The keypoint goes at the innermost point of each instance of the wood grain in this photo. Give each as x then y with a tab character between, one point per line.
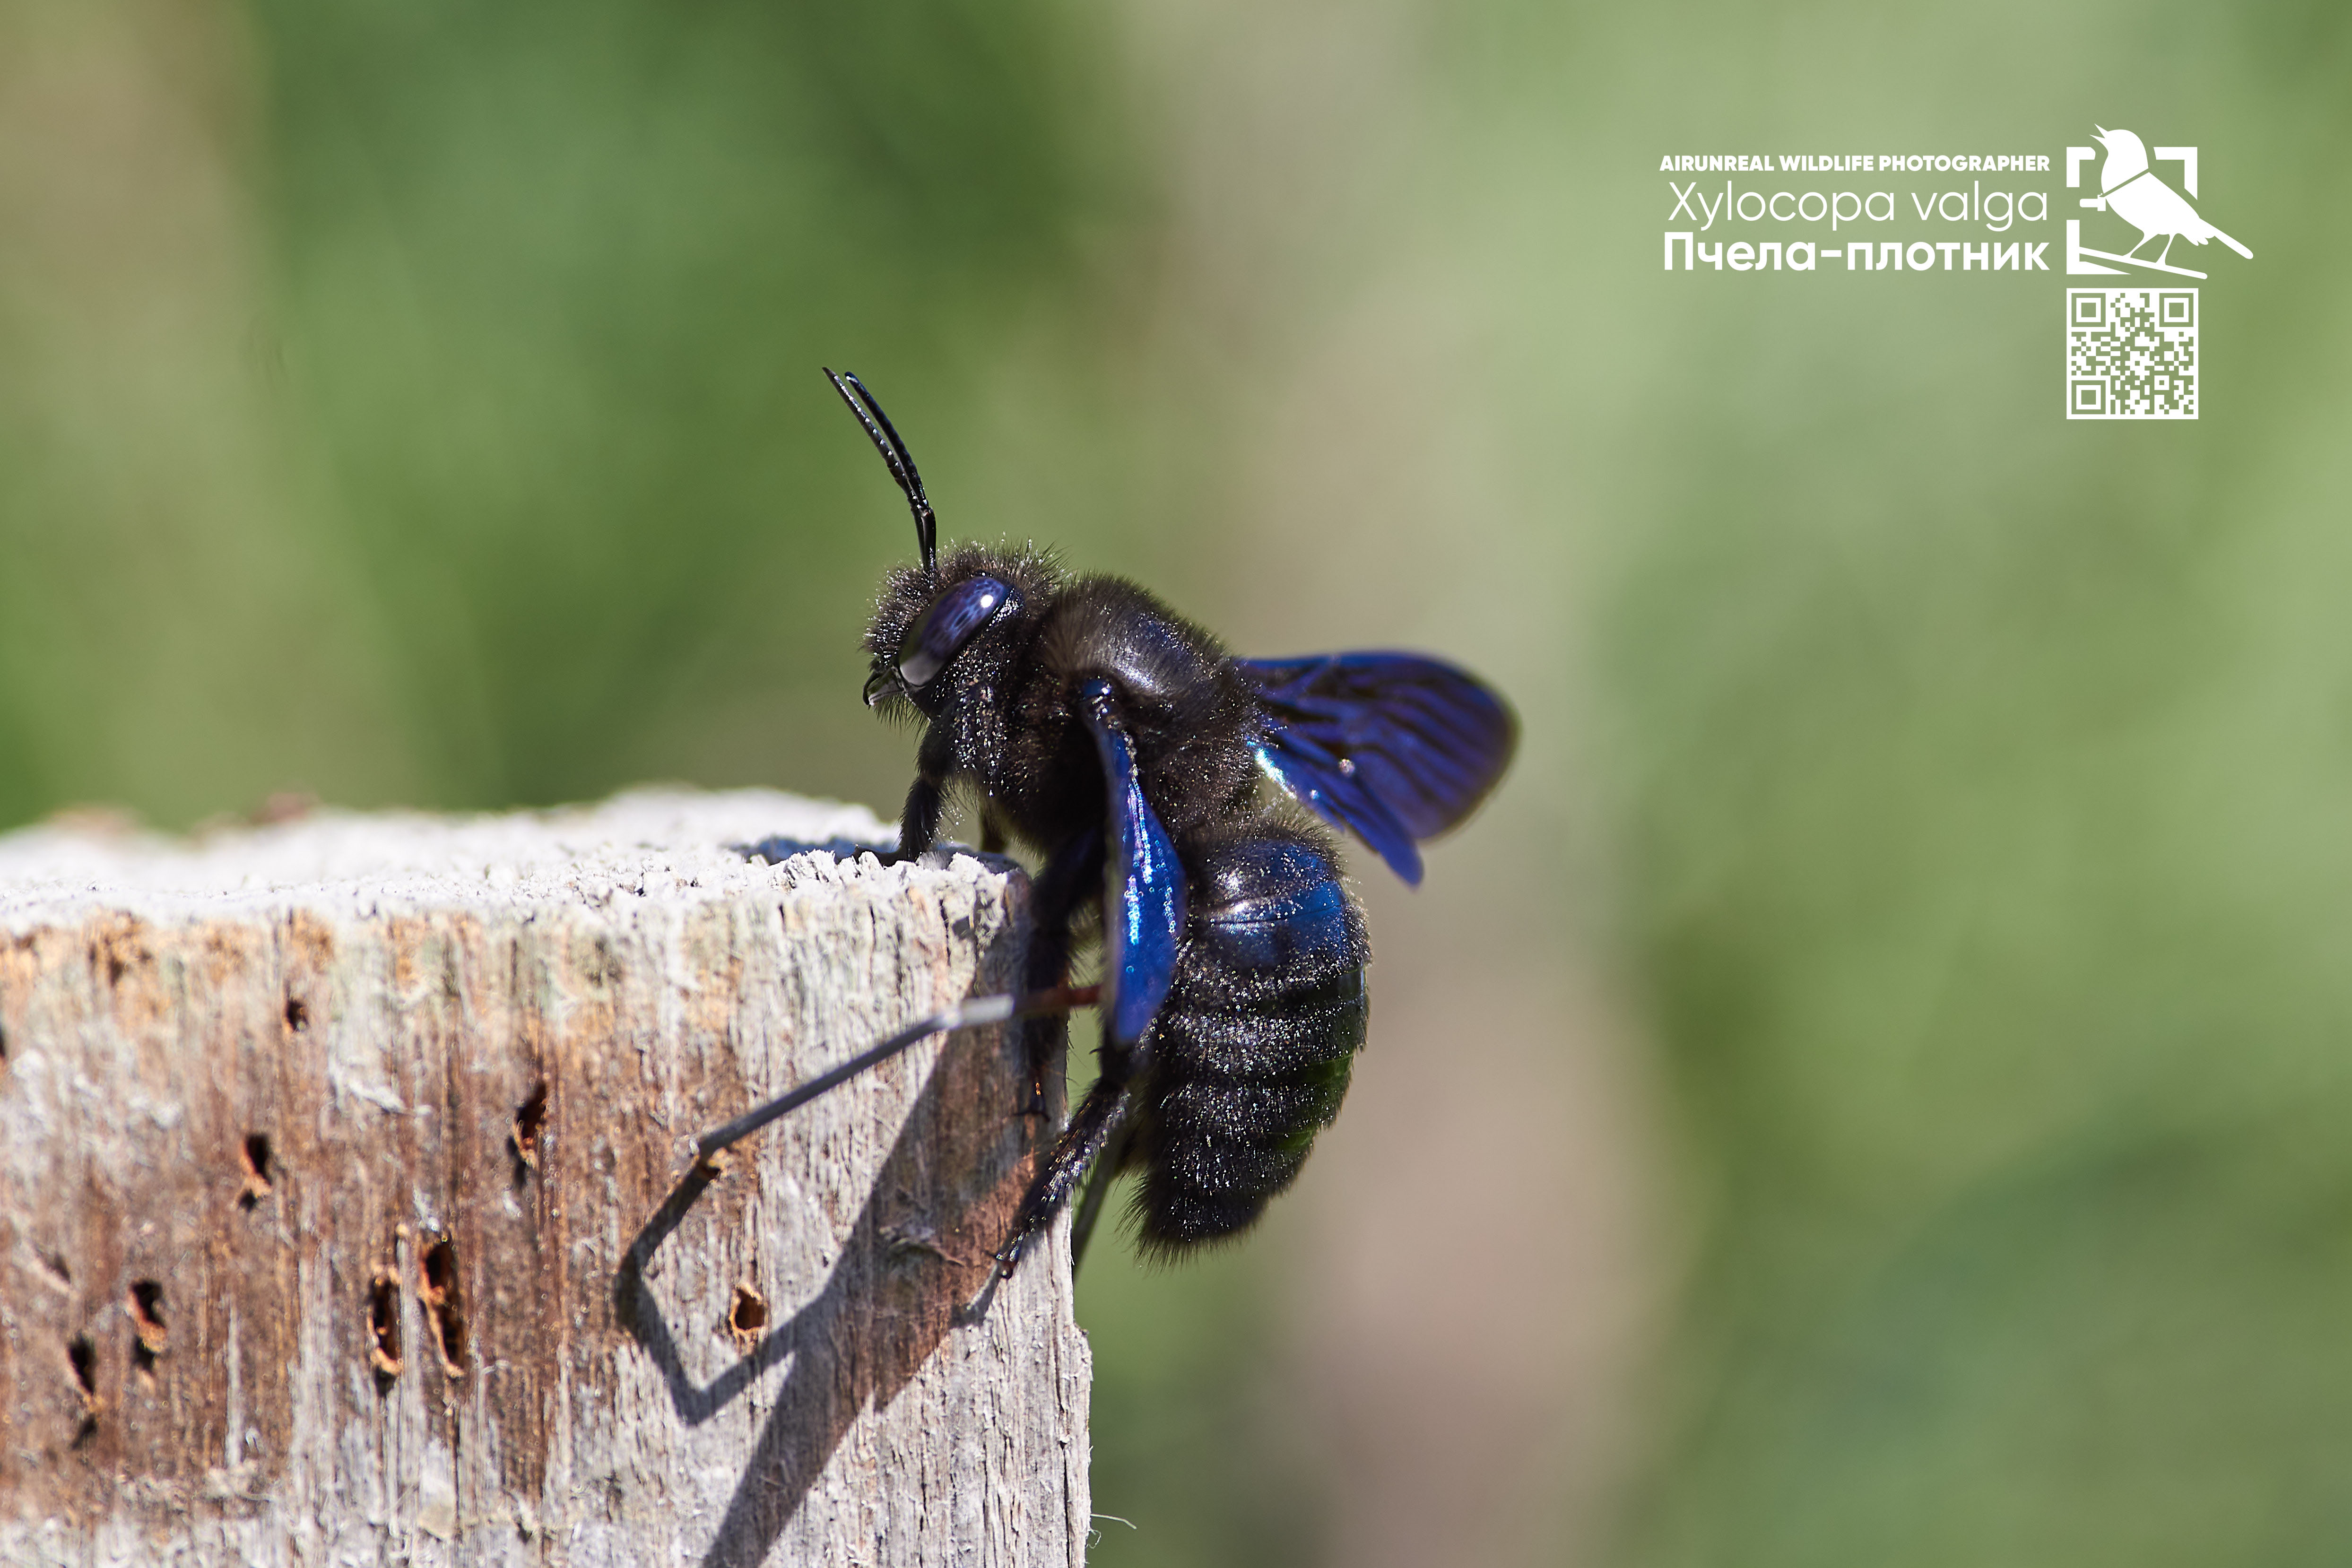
347	1211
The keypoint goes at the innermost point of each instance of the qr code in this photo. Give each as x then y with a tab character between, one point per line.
2131	353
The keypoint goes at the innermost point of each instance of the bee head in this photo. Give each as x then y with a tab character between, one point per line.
927	615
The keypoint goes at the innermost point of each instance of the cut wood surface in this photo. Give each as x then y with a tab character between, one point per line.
347	1210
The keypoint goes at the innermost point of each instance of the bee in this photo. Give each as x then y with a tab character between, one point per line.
1161	780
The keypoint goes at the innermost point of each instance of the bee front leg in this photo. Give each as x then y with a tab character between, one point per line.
918	824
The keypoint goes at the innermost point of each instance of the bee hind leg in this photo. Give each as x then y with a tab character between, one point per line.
1106	1168
1102	1116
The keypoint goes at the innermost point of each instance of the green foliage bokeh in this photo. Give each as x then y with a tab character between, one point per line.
423	408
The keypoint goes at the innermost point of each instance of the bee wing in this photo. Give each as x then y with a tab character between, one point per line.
1143	885
1395	748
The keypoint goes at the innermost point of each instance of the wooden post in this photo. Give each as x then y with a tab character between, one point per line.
348	1211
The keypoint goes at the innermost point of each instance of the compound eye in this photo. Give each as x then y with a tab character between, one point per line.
948	625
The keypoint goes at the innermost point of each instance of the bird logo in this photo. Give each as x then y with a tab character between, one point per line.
2131	190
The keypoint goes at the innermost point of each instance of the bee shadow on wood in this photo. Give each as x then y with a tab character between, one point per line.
916	1255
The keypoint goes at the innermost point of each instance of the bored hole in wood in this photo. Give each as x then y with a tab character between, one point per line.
747	1316
298	1014
83	1356
254	1156
530	1119
145	1304
445	1307
383	1327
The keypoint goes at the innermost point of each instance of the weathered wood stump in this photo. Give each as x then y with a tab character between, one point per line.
347	1210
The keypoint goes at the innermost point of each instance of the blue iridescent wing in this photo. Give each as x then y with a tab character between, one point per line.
1143	894
1395	748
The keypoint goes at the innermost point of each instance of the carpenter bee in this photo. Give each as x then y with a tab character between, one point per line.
1123	743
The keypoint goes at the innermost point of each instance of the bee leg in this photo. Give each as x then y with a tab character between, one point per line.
1106	1168
918	824
1103	1113
991	833
1072	873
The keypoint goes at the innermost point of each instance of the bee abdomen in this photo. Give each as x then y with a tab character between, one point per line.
1252	1050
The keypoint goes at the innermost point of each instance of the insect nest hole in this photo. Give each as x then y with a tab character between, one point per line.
144	1302
445	1305
747	1316
529	1122
82	1357
383	1327
255	1160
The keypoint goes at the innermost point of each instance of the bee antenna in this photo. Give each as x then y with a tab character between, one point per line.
885	436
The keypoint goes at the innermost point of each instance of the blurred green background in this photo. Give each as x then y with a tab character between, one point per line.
1874	1086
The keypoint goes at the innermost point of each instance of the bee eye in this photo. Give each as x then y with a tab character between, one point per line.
948	625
